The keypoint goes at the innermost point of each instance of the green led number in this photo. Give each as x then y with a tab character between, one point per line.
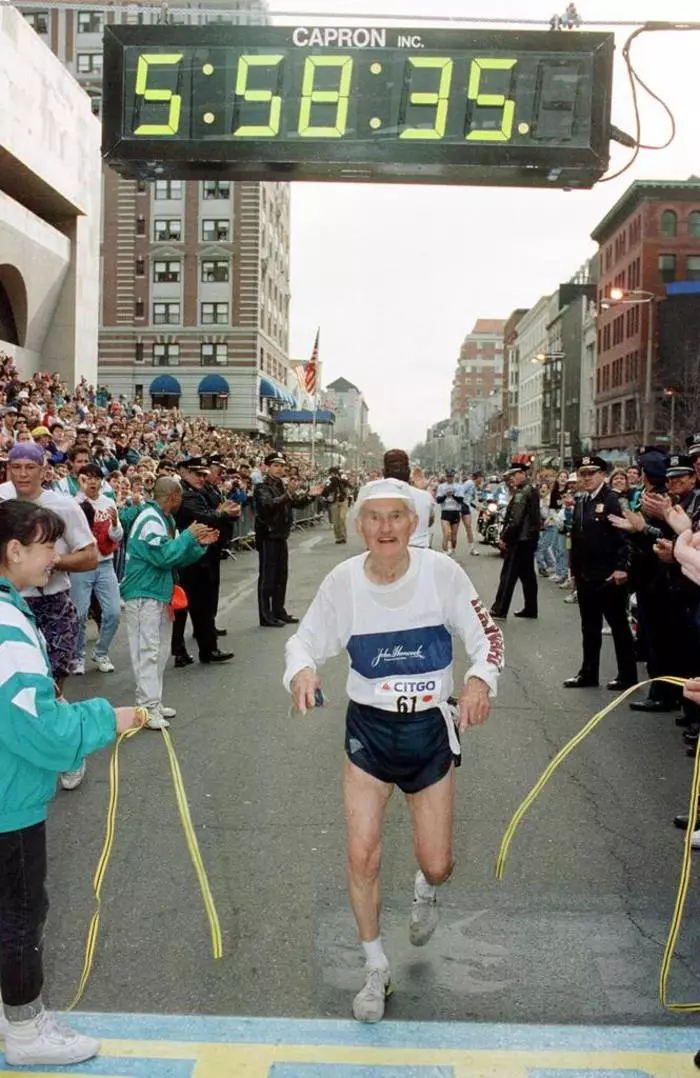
243	93
169	97
310	96
438	100
498	101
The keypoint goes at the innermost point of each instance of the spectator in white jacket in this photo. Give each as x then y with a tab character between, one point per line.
101	582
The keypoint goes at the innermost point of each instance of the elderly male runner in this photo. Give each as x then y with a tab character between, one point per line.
395	610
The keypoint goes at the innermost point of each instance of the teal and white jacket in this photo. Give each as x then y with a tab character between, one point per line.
39	734
153	552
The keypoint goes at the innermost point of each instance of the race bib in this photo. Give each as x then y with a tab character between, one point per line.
408	695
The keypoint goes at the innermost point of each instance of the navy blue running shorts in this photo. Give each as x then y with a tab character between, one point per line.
411	752
466	509
451	516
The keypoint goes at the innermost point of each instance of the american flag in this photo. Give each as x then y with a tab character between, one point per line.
311	368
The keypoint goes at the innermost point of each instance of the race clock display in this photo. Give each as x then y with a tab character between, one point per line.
358	104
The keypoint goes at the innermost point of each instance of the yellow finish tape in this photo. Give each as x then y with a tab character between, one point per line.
683	1008
102	864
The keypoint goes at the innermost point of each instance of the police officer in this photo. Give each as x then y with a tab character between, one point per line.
600	557
213	492
200	580
274	503
519	538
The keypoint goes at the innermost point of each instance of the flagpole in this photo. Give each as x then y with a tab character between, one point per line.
313	436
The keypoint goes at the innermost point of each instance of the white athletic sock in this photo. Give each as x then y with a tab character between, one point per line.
422	888
374	954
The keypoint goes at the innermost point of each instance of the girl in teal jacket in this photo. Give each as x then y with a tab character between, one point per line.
40	736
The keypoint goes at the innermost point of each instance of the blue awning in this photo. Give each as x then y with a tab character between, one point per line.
213	383
165	383
323	415
268	389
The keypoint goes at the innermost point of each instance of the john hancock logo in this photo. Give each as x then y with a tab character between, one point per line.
397	654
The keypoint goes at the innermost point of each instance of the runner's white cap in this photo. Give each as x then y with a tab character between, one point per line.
385	488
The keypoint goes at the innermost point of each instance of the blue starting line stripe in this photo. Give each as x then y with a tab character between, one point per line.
190	1046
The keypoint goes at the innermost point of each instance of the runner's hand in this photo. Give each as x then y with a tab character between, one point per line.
304	685
474	703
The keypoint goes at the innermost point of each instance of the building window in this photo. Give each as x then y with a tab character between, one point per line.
212	354
89	63
215	230
140	226
616	418
141	186
95	104
166	314
165	400
166	355
667	268
214	314
604	420
216	272
167	190
90	22
164	229
630	414
213	402
138	308
692	268
138	393
166	272
39	21
138	352
694	223
140	267
216	189
669	223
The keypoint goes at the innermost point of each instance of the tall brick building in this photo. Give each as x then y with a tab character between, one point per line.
648	240
479	370
195	276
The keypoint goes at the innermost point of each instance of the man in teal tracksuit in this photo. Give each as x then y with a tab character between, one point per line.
153	552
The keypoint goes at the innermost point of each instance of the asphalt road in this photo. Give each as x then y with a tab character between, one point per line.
573	934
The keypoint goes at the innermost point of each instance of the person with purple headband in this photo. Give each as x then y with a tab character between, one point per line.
52	606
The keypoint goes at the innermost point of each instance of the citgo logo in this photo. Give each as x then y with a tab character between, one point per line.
413	687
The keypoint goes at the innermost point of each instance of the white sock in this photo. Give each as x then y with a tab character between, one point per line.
374	954
422	888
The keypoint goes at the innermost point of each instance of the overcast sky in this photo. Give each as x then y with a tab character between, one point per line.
396	275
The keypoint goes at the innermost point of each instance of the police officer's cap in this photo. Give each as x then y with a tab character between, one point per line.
195	464
654	463
215	458
517	466
274	458
680	465
693	444
591	463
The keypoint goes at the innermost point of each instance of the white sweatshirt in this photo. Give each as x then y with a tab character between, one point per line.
398	636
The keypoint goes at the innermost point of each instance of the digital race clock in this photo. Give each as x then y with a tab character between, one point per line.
373	104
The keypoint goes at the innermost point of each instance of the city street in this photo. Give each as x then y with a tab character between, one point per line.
573	934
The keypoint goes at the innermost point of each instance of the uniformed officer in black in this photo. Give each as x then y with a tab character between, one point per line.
274	502
215	497
599	560
519	538
200	580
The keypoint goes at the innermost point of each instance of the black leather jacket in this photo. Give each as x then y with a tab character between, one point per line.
522	520
273	508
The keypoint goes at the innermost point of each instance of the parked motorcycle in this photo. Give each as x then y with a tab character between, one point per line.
490	522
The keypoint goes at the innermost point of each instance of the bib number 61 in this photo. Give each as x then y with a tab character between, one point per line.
406	705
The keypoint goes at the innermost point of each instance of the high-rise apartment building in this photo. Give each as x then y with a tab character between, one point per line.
195	275
479	370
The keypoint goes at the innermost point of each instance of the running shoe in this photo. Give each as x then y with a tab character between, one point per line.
369	1003
103	662
424	912
70	780
44	1041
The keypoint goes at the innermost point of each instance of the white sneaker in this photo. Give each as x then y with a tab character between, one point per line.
424	912
168	712
369	1003
474	552
156	722
695	840
79	667
104	663
70	780
45	1041
4	1024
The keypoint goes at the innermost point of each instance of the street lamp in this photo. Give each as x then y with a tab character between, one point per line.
672	394
635	296
543	357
